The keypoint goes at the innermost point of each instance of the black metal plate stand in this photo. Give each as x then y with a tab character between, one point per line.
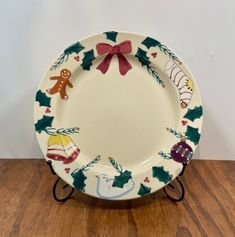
56	184
182	190
178	199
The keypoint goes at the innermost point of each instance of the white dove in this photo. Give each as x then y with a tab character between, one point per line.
107	191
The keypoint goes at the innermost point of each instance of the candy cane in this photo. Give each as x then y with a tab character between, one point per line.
182	82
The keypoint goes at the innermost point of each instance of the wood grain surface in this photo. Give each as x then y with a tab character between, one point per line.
27	207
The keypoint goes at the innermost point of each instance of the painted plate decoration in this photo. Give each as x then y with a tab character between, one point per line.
118	114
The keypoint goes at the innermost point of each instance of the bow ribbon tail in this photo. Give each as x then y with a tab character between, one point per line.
124	65
104	65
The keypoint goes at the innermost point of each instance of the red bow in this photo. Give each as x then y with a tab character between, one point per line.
119	50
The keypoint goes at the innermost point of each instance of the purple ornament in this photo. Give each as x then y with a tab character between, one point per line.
181	152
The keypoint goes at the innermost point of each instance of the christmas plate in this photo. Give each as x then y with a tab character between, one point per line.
118	114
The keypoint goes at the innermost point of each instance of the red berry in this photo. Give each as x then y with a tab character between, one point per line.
154	54
77	58
146	180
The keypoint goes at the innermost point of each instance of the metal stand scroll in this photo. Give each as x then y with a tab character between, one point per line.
170	185
56	184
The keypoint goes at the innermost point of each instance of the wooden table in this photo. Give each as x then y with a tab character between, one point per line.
27	207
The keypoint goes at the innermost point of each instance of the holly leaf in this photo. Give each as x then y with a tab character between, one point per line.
122	179
161	174
111	35
43	123
142	57
192	134
87	60
144	190
43	99
150	42
194	113
74	48
79	180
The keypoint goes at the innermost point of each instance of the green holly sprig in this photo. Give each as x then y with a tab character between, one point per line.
123	177
80	178
175	133
152	71
142	57
191	134
63	131
117	166
74	48
168	52
165	155
150	42
62	58
91	164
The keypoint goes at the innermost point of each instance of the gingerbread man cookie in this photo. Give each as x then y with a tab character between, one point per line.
62	82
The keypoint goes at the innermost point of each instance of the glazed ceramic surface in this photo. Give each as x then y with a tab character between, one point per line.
118	114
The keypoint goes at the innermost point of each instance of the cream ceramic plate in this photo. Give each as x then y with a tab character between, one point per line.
117	114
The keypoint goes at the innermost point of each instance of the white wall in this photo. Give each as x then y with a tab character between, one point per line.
32	33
